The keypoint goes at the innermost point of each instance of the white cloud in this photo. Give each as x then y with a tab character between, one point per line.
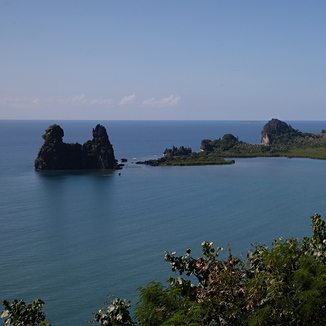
36	101
172	100
78	99
127	99
18	102
75	100
85	100
81	99
99	101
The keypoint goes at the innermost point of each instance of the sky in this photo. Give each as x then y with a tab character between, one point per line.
163	59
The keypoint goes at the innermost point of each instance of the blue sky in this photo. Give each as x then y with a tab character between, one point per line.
163	60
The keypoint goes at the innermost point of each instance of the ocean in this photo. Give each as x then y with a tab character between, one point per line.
73	238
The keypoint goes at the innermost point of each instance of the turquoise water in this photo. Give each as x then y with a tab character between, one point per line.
72	238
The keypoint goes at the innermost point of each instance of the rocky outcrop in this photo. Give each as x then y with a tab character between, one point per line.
227	142
98	152
174	151
272	130
94	154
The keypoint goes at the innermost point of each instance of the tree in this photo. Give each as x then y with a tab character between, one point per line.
115	314
157	304
18	313
287	284
281	285
216	299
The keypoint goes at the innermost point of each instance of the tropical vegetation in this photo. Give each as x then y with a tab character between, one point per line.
278	139
281	285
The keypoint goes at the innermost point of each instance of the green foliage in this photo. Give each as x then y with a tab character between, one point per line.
313	152
201	158
174	151
286	141
283	141
230	146
227	142
157	304
217	297
286	284
18	313
115	314
281	285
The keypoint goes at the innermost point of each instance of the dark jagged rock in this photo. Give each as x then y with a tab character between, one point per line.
94	154
98	152
57	155
273	129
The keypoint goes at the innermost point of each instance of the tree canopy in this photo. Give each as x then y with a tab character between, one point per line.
281	285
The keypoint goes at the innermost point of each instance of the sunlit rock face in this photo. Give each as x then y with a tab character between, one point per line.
273	128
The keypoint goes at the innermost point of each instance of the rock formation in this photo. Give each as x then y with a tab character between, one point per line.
272	129
98	152
94	154
174	151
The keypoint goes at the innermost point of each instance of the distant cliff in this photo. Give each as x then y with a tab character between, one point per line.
277	130
94	154
277	139
280	136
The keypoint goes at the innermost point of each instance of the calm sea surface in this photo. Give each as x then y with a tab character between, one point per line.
72	238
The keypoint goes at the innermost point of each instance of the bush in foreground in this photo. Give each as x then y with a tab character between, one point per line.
281	285
18	313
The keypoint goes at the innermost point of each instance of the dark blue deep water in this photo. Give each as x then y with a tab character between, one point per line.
72	238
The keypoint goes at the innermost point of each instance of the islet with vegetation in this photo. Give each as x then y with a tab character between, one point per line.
278	139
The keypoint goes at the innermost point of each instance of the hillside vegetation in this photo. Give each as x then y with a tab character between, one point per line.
278	139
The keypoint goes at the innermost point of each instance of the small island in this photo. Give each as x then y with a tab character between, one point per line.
57	155
278	140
